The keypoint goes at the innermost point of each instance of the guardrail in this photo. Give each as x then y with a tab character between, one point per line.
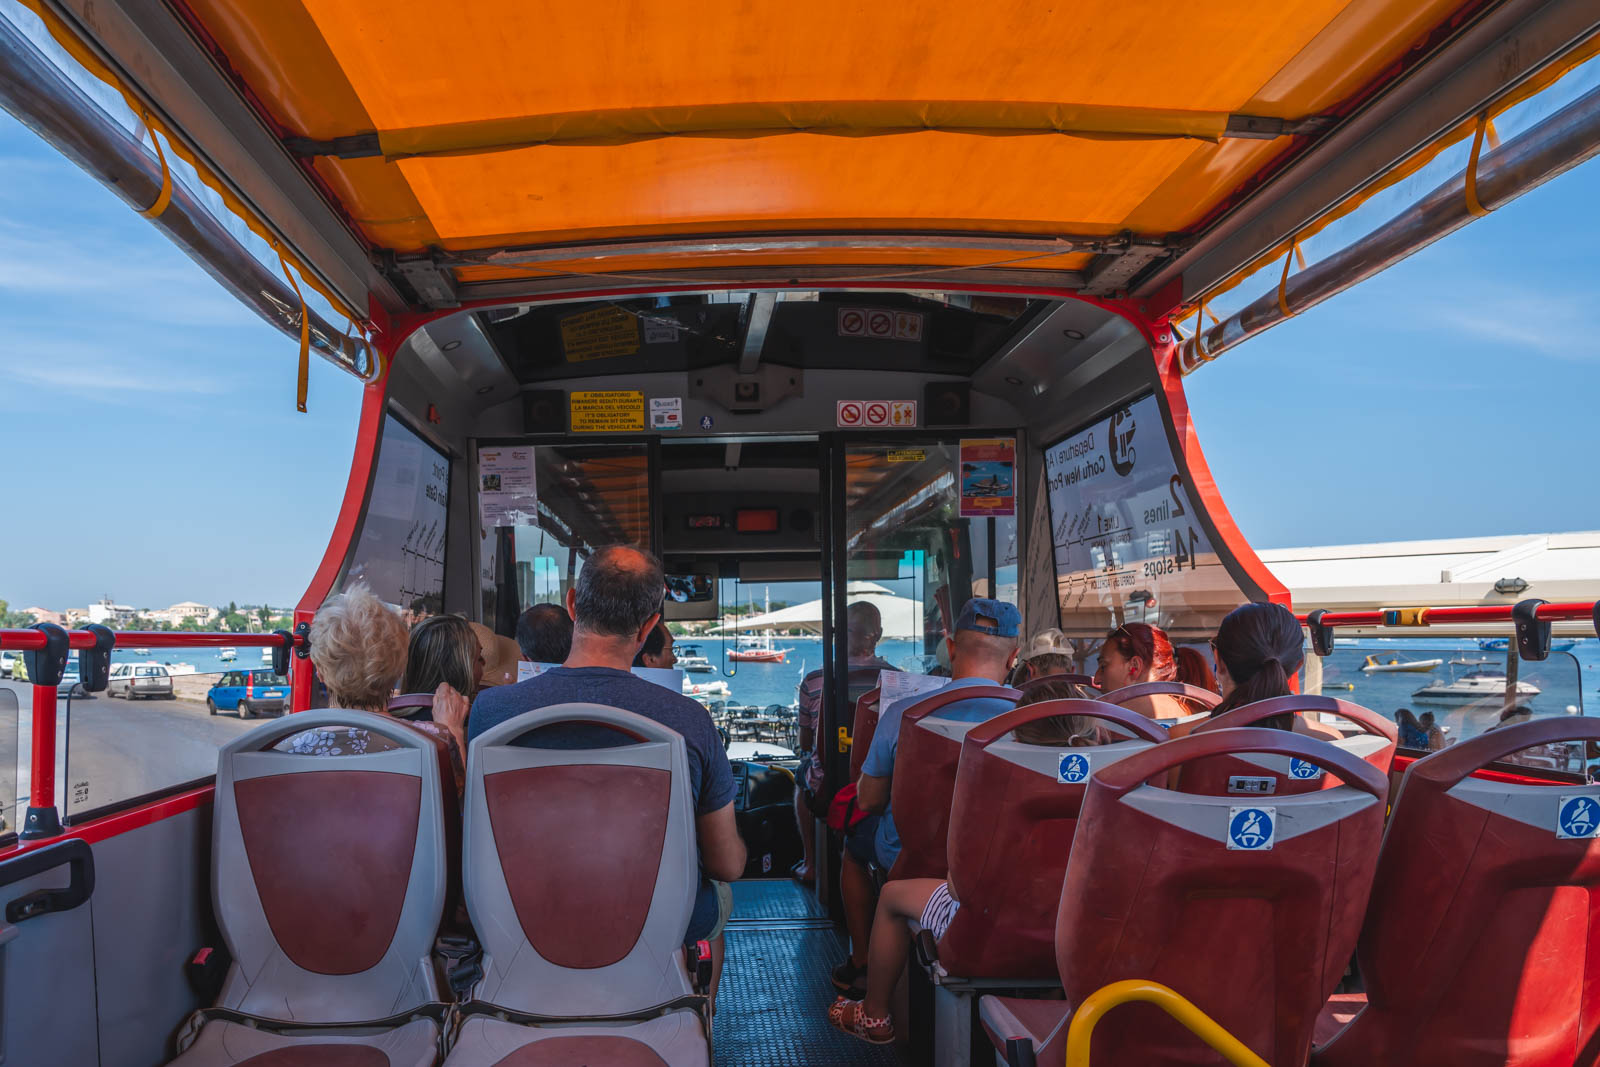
1103	1000
48	648
1530	618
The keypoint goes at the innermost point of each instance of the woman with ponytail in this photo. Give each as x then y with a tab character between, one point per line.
1135	653
1259	648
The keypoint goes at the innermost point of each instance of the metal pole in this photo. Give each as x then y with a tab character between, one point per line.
1569	137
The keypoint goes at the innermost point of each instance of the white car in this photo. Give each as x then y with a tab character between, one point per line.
130	680
7	661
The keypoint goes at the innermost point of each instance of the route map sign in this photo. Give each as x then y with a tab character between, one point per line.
1128	544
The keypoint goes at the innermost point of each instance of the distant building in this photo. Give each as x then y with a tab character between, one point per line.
76	616
108	614
190	610
45	615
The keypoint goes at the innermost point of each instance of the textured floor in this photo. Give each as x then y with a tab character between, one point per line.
772	1007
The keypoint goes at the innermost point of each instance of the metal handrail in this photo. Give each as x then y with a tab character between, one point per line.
30	640
1580	611
1103	1000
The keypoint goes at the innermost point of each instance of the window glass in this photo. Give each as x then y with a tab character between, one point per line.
909	548
149	672
268	678
590	496
401	551
11	788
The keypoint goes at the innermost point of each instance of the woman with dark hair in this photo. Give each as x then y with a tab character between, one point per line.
1193	668
443	662
1259	647
1134	653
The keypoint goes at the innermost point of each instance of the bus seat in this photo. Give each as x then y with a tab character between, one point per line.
1283	776
581	873
862	728
1249	907
1051	679
1011	826
925	762
328	879
1479	945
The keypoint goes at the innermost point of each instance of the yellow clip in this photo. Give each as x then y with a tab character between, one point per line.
303	381
164	197
845	740
1475	206
1405	616
1102	1000
1283	283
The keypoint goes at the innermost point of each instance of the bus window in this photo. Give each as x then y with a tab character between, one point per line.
905	534
401	551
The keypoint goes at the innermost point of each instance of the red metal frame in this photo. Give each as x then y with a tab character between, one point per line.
1565	612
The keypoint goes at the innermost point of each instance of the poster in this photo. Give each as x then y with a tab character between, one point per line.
507	492
1128	545
600	333
988	477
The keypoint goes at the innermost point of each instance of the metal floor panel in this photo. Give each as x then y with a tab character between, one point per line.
772	1008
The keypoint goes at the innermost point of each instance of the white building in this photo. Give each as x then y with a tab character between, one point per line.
187	611
108	614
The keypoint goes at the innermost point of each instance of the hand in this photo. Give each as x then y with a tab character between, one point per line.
450	709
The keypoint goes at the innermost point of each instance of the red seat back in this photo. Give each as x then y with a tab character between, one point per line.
1282	776
925	762
1249	907
865	725
1011	826
1482	945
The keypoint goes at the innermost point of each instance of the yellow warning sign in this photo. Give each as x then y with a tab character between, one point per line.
907	455
607	411
603	333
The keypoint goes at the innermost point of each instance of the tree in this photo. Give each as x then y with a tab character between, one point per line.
264	613
14	620
233	609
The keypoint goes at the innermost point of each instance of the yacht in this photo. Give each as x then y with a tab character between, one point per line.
228	655
692	660
1396	665
1474	685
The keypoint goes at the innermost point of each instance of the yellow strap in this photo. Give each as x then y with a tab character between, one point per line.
1102	1000
304	377
1493	135
164	197
1475	206
1283	283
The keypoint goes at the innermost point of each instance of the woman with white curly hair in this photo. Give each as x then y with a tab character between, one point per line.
358	646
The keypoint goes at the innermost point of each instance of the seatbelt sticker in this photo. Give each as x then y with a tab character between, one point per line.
1252	829
1578	817
1303	770
1072	768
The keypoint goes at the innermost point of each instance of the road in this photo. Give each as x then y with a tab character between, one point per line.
108	751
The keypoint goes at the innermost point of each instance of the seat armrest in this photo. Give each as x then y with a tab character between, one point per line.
926	949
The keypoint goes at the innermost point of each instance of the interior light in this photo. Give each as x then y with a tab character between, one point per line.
1076	335
485	389
1013	381
450	346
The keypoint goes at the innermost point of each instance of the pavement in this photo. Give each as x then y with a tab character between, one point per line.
109	751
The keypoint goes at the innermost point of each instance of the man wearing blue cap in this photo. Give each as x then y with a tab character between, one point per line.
982	652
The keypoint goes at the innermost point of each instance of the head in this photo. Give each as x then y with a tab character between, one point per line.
865	624
544	633
1193	668
1046	653
1404	717
358	647
657	650
1426	720
1259	648
1044	666
985	642
615	603
1134	653
443	649
1065	731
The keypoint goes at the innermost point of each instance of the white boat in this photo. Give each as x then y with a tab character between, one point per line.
738	750
228	655
692	660
141	652
1396	665
266	655
180	668
718	688
1475	685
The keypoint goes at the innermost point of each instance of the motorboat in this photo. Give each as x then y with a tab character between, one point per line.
266	655
180	668
1475	661
141	651
1502	644
228	655
693	661
1475	685
1395	665
718	689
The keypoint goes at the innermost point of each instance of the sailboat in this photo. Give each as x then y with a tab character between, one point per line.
759	649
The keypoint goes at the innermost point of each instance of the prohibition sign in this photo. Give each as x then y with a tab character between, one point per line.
877	414
849	414
851	323
880	324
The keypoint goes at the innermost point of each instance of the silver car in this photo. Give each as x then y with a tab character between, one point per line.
130	680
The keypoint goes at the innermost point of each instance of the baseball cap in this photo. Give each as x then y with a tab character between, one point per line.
1051	642
993	617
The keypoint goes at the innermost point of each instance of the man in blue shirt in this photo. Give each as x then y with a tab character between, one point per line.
614	604
982	652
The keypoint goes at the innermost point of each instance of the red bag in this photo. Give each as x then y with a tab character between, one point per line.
842	812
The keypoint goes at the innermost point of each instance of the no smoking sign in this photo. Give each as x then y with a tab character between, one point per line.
876	414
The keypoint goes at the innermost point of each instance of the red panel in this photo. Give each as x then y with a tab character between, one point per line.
864	726
580	846
331	852
585	1050
326	1055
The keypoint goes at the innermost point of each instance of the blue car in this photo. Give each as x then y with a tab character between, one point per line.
250	693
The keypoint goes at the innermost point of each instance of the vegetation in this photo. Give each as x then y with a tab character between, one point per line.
14	620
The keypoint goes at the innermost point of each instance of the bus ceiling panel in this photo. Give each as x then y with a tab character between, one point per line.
1503	48
463	360
729	485
160	59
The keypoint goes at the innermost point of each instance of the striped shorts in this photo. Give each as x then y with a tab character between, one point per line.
939	910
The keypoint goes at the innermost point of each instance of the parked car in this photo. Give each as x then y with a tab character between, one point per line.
131	680
7	658
250	693
71	684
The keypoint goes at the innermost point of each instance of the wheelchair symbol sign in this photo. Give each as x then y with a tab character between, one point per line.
1252	829
1303	770
1578	816
1073	768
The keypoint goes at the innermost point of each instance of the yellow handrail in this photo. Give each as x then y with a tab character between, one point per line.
1116	994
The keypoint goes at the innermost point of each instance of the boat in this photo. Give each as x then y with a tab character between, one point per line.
1473	686
228	655
1395	665
1475	661
693	661
717	689
758	650
180	668
141	651
1503	644
266	655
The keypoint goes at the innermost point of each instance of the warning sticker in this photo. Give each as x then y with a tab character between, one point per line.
907	455
901	414
666	413
881	324
601	333
607	412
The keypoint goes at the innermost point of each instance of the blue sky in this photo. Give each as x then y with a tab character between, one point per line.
150	420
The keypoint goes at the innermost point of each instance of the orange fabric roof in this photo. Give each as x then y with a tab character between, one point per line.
1089	118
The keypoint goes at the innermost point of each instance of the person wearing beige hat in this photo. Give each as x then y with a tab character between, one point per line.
1047	652
497	662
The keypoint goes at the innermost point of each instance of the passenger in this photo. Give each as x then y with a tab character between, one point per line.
1048	653
1193	668
1512	715
544	633
615	603
982	652
1412	733
1134	653
498	664
929	900
358	647
656	652
442	664
865	630
1434	732
1259	647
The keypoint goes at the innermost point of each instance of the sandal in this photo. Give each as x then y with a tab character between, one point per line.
809	878
850	980
851	1017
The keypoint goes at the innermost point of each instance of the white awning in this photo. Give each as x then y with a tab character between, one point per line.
902	617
